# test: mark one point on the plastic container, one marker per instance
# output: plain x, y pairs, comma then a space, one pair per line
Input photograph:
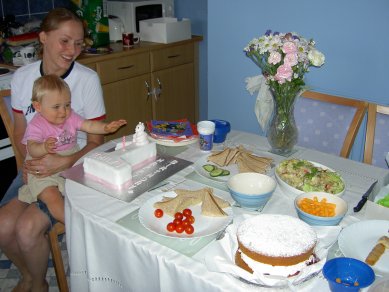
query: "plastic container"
347, 274
222, 128
206, 131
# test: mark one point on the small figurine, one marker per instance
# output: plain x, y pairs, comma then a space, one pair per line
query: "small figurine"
140, 136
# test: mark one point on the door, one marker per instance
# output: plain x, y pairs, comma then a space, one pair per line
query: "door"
174, 96
128, 99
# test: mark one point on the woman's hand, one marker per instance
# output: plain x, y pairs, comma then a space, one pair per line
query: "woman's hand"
47, 165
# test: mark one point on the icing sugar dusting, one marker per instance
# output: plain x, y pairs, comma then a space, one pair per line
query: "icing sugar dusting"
276, 235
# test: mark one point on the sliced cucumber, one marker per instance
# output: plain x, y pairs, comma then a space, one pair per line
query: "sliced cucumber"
216, 172
225, 172
209, 167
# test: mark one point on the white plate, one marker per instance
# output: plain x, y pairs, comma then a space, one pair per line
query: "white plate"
288, 189
198, 166
166, 142
358, 239
203, 226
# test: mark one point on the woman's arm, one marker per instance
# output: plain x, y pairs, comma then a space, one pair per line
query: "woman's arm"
20, 126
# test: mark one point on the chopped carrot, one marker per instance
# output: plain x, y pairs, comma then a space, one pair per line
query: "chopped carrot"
315, 207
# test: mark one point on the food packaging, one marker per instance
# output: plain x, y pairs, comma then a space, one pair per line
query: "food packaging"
95, 17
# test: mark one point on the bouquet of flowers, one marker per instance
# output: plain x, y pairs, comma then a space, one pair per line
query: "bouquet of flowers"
284, 58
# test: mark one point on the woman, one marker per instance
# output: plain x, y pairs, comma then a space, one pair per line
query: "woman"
23, 227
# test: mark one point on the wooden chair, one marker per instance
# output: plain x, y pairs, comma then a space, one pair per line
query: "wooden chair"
58, 228
335, 117
375, 151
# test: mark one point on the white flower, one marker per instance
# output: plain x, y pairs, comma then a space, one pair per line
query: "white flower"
316, 58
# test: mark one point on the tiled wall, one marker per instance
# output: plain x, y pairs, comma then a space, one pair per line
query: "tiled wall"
29, 9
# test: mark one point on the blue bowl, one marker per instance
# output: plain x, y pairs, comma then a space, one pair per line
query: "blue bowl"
251, 190
340, 210
222, 128
347, 274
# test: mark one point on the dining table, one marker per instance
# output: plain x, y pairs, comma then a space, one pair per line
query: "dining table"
111, 250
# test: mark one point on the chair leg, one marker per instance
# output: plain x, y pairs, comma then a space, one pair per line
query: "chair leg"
57, 260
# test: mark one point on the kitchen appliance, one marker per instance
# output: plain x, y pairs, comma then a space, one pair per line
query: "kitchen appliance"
131, 12
116, 28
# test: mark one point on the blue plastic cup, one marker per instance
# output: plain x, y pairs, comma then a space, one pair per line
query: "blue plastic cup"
348, 274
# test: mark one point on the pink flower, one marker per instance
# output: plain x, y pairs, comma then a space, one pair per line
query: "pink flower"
274, 58
284, 72
291, 59
289, 48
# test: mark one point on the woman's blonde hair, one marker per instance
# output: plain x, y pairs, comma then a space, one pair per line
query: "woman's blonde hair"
48, 83
56, 17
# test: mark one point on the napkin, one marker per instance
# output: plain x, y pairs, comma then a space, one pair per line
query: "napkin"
220, 257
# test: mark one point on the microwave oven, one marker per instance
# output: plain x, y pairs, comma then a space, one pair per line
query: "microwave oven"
131, 12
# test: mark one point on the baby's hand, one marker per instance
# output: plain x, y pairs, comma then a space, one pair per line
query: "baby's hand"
50, 145
114, 126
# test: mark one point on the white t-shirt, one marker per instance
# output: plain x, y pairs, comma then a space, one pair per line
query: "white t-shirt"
84, 83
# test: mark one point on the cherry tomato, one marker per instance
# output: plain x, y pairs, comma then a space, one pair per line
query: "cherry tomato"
191, 219
186, 222
158, 213
187, 212
171, 227
177, 221
189, 229
178, 215
180, 228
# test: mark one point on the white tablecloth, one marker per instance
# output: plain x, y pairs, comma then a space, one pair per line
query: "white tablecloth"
106, 256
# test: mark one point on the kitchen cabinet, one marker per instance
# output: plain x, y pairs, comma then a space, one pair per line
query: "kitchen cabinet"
150, 81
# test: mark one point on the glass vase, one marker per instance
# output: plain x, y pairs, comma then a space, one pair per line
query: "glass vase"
282, 132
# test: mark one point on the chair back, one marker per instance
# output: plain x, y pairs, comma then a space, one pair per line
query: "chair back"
327, 122
377, 135
7, 117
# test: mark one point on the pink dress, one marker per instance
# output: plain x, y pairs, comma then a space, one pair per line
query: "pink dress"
39, 129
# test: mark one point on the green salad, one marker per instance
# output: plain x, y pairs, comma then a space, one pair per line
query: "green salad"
305, 176
384, 201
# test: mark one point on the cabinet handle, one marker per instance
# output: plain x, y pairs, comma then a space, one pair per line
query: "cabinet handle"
158, 90
148, 90
126, 67
173, 56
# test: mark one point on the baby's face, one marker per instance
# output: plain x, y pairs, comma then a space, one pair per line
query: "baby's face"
55, 107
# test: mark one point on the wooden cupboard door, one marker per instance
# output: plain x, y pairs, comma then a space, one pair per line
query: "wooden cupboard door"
176, 99
127, 99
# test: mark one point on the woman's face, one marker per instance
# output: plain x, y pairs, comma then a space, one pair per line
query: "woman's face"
61, 47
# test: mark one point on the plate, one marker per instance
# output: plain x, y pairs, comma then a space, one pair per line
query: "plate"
166, 142
198, 166
358, 239
204, 225
291, 190
97, 51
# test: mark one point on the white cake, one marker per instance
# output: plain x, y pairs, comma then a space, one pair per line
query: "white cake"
275, 244
115, 168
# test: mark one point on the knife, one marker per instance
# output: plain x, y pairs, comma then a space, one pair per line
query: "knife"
364, 198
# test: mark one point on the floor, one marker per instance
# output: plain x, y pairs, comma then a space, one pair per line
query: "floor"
9, 275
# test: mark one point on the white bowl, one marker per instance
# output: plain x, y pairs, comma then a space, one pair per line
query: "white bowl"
340, 210
290, 190
251, 190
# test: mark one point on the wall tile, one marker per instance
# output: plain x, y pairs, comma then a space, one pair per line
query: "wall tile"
39, 6
15, 7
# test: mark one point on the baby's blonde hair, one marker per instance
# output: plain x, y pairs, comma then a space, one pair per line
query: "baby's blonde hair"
48, 83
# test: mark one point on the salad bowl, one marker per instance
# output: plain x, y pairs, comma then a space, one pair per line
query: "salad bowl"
296, 176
